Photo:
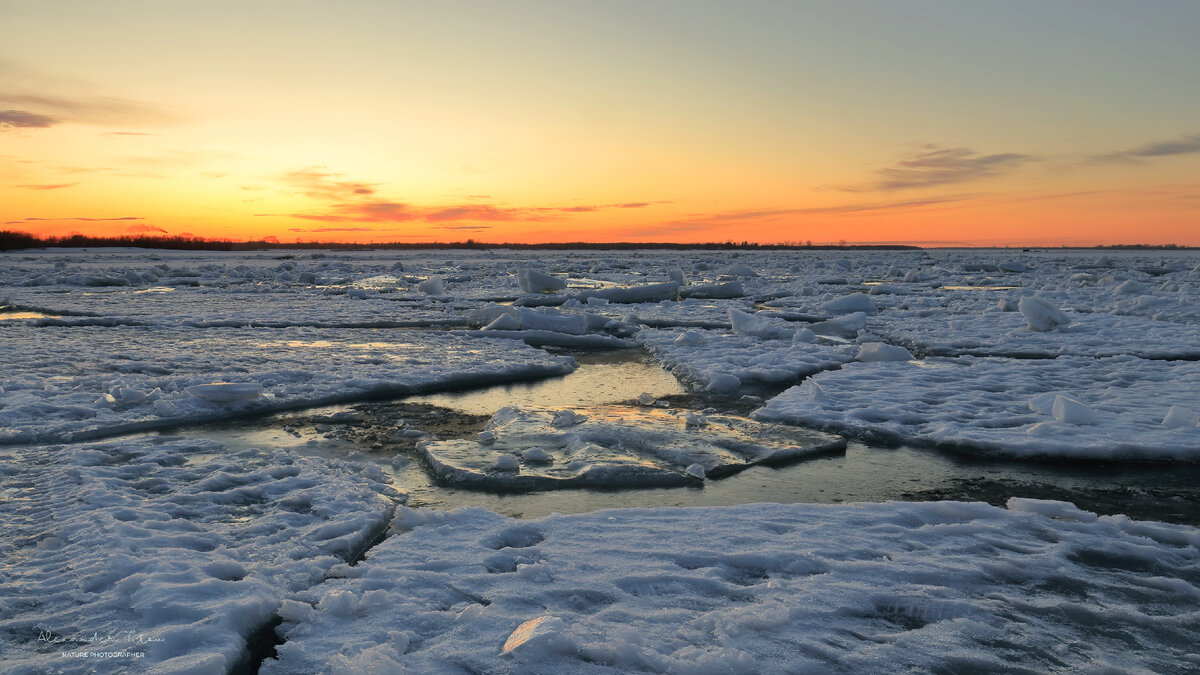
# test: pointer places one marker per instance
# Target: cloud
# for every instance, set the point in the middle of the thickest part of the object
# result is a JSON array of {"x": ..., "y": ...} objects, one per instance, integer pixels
[
  {"x": 934, "y": 165},
  {"x": 463, "y": 227},
  {"x": 22, "y": 119},
  {"x": 84, "y": 220},
  {"x": 352, "y": 201},
  {"x": 398, "y": 212},
  {"x": 1181, "y": 146},
  {"x": 54, "y": 186},
  {"x": 702, "y": 221},
  {"x": 316, "y": 182},
  {"x": 332, "y": 229},
  {"x": 89, "y": 109},
  {"x": 145, "y": 227}
]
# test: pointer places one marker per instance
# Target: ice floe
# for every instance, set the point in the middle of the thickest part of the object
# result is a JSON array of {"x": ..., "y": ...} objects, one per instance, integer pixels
[
  {"x": 614, "y": 446},
  {"x": 1109, "y": 408},
  {"x": 864, "y": 588},
  {"x": 88, "y": 381},
  {"x": 722, "y": 360},
  {"x": 172, "y": 549}
]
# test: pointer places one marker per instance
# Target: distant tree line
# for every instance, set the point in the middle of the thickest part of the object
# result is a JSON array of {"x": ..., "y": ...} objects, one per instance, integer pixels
[{"x": 10, "y": 240}]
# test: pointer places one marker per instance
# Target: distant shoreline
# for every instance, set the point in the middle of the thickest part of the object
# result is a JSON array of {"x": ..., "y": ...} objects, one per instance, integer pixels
[{"x": 13, "y": 241}]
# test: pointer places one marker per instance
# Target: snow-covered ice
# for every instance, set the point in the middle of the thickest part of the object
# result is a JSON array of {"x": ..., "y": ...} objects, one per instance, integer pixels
[
  {"x": 89, "y": 381},
  {"x": 1109, "y": 408},
  {"x": 614, "y": 446},
  {"x": 196, "y": 547},
  {"x": 865, "y": 588},
  {"x": 171, "y": 548},
  {"x": 721, "y": 361}
]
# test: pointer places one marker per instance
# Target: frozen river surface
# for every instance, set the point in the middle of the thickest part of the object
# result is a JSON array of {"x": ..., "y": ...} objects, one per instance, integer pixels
[{"x": 354, "y": 461}]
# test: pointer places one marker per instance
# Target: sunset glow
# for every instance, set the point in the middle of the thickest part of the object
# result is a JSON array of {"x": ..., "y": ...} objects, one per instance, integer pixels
[{"x": 931, "y": 123}]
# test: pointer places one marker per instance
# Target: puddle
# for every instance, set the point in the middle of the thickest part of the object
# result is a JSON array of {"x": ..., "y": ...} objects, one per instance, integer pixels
[
  {"x": 603, "y": 377},
  {"x": 977, "y": 288},
  {"x": 15, "y": 315},
  {"x": 387, "y": 433}
]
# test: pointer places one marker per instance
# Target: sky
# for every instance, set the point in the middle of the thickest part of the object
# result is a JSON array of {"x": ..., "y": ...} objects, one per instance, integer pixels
[{"x": 936, "y": 123}]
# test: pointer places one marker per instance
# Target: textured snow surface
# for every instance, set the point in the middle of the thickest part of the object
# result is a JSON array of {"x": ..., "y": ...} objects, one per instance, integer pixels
[
  {"x": 868, "y": 588},
  {"x": 1009, "y": 334},
  {"x": 172, "y": 548},
  {"x": 94, "y": 380},
  {"x": 607, "y": 446},
  {"x": 1023, "y": 407},
  {"x": 185, "y": 550},
  {"x": 709, "y": 359}
]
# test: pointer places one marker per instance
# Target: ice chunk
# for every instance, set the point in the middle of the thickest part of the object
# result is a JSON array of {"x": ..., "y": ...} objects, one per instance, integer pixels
[
  {"x": 1041, "y": 315},
  {"x": 803, "y": 336},
  {"x": 879, "y": 351},
  {"x": 533, "y": 281},
  {"x": 432, "y": 286},
  {"x": 676, "y": 275},
  {"x": 723, "y": 382},
  {"x": 745, "y": 323},
  {"x": 842, "y": 326},
  {"x": 226, "y": 392},
  {"x": 847, "y": 304},
  {"x": 614, "y": 446},
  {"x": 568, "y": 418},
  {"x": 1179, "y": 416},
  {"x": 504, "y": 322},
  {"x": 541, "y": 636},
  {"x": 1065, "y": 511},
  {"x": 632, "y": 294},
  {"x": 740, "y": 270},
  {"x": 689, "y": 338},
  {"x": 1131, "y": 287},
  {"x": 728, "y": 289},
  {"x": 1070, "y": 411}
]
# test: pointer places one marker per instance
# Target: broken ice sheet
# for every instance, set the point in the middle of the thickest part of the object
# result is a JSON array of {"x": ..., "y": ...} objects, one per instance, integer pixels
[{"x": 615, "y": 446}]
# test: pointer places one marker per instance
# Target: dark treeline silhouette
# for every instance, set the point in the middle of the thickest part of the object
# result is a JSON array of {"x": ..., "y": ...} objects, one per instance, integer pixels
[{"x": 20, "y": 240}]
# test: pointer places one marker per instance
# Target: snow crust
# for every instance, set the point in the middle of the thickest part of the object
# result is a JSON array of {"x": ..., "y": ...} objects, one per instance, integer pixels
[
  {"x": 865, "y": 588},
  {"x": 1070, "y": 406},
  {"x": 194, "y": 547},
  {"x": 174, "y": 549},
  {"x": 614, "y": 446},
  {"x": 90, "y": 381},
  {"x": 723, "y": 360}
]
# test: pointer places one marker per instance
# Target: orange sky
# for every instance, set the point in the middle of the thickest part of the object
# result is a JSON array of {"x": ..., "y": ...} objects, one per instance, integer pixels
[{"x": 937, "y": 123}]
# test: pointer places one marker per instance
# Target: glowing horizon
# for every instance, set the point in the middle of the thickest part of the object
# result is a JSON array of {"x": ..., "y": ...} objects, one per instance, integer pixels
[{"x": 928, "y": 123}]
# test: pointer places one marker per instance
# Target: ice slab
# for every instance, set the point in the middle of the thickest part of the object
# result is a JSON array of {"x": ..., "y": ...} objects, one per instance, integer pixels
[
  {"x": 171, "y": 548},
  {"x": 82, "y": 382},
  {"x": 614, "y": 446},
  {"x": 714, "y": 359},
  {"x": 862, "y": 588},
  {"x": 1108, "y": 408},
  {"x": 1010, "y": 334}
]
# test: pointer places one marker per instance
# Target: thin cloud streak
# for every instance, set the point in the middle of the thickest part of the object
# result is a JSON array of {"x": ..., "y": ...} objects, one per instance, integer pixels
[
  {"x": 23, "y": 119},
  {"x": 79, "y": 219},
  {"x": 942, "y": 166},
  {"x": 54, "y": 186},
  {"x": 398, "y": 212},
  {"x": 90, "y": 110},
  {"x": 1186, "y": 145}
]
